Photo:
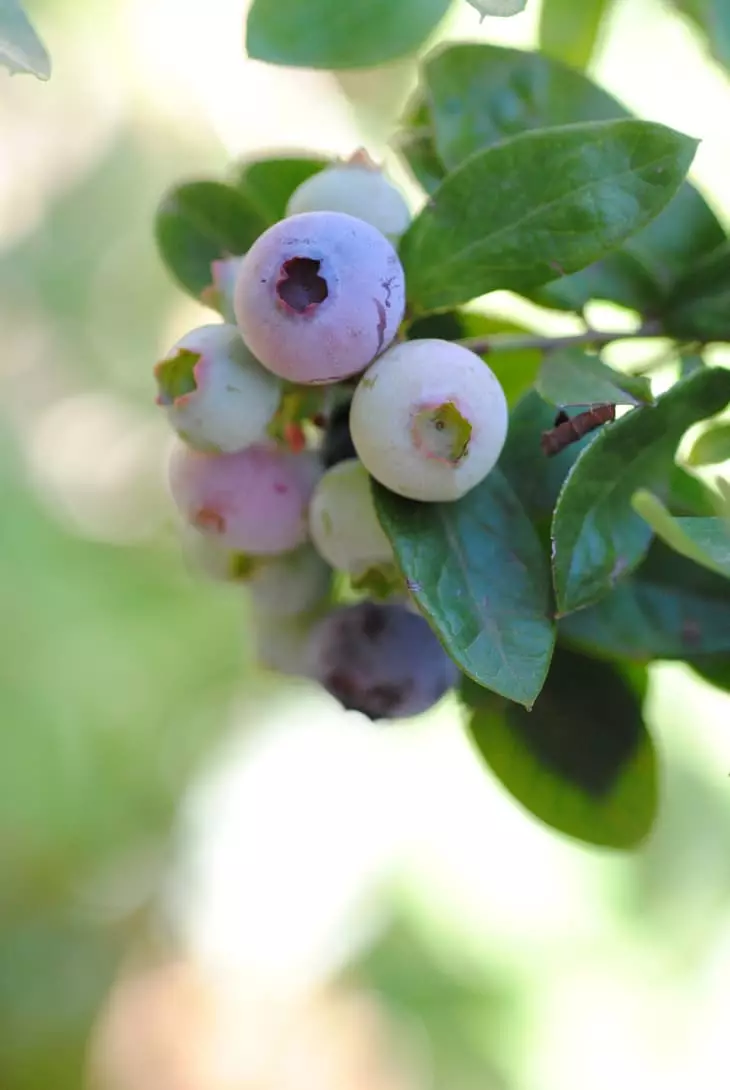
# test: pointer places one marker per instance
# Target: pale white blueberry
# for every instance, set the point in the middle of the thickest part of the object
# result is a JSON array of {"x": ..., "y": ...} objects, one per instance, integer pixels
[
  {"x": 343, "y": 524},
  {"x": 319, "y": 296},
  {"x": 253, "y": 502},
  {"x": 216, "y": 395},
  {"x": 379, "y": 659},
  {"x": 429, "y": 420},
  {"x": 359, "y": 188}
]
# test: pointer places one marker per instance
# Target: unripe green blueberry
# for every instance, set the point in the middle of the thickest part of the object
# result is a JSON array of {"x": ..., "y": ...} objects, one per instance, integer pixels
[
  {"x": 380, "y": 659},
  {"x": 319, "y": 296},
  {"x": 342, "y": 521},
  {"x": 292, "y": 584},
  {"x": 429, "y": 420},
  {"x": 358, "y": 188},
  {"x": 217, "y": 396},
  {"x": 253, "y": 502}
]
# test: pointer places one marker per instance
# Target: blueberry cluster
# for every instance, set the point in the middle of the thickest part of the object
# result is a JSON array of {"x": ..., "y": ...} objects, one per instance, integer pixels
[{"x": 286, "y": 410}]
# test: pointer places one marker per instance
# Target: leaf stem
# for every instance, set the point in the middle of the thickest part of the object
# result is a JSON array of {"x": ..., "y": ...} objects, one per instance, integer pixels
[{"x": 508, "y": 342}]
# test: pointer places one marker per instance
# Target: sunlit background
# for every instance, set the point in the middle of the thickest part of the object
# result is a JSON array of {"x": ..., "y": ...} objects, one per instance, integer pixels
[{"x": 286, "y": 897}]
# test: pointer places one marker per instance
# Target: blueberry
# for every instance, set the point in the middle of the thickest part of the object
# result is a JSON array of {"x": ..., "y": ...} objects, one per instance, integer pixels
[
  {"x": 217, "y": 396},
  {"x": 343, "y": 524},
  {"x": 359, "y": 188},
  {"x": 254, "y": 502},
  {"x": 429, "y": 420},
  {"x": 380, "y": 659},
  {"x": 318, "y": 296}
]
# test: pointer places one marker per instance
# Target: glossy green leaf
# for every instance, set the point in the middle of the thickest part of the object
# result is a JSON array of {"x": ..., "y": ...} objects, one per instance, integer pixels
[
  {"x": 670, "y": 608},
  {"x": 269, "y": 183},
  {"x": 481, "y": 94},
  {"x": 581, "y": 760},
  {"x": 476, "y": 570},
  {"x": 704, "y": 540},
  {"x": 200, "y": 222},
  {"x": 573, "y": 377},
  {"x": 333, "y": 34},
  {"x": 712, "y": 447},
  {"x": 712, "y": 18},
  {"x": 597, "y": 536},
  {"x": 574, "y": 194},
  {"x": 537, "y": 480},
  {"x": 21, "y": 50},
  {"x": 516, "y": 371},
  {"x": 569, "y": 31}
]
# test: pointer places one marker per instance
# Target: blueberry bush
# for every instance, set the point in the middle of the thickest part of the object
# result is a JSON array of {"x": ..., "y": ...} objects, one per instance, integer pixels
[
  {"x": 487, "y": 507},
  {"x": 458, "y": 425}
]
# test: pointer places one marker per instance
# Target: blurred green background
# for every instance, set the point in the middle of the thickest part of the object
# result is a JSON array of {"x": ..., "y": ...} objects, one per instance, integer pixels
[{"x": 157, "y": 793}]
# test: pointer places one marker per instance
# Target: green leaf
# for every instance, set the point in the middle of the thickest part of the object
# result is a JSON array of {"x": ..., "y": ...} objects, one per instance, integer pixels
[
  {"x": 21, "y": 50},
  {"x": 669, "y": 609},
  {"x": 581, "y": 760},
  {"x": 618, "y": 277},
  {"x": 689, "y": 495},
  {"x": 597, "y": 536},
  {"x": 572, "y": 377},
  {"x": 712, "y": 18},
  {"x": 537, "y": 480},
  {"x": 712, "y": 447},
  {"x": 201, "y": 222},
  {"x": 704, "y": 540},
  {"x": 333, "y": 34},
  {"x": 699, "y": 306},
  {"x": 569, "y": 31},
  {"x": 574, "y": 194},
  {"x": 481, "y": 94},
  {"x": 516, "y": 371},
  {"x": 269, "y": 183},
  {"x": 714, "y": 669},
  {"x": 416, "y": 145},
  {"x": 477, "y": 572}
]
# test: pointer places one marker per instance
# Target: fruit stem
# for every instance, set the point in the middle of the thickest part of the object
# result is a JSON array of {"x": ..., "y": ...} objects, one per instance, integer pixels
[{"x": 508, "y": 342}]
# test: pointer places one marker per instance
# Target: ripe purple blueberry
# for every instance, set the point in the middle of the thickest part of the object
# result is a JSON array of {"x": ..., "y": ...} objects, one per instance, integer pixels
[
  {"x": 319, "y": 296},
  {"x": 359, "y": 188},
  {"x": 380, "y": 659},
  {"x": 429, "y": 420},
  {"x": 217, "y": 396},
  {"x": 253, "y": 502}
]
